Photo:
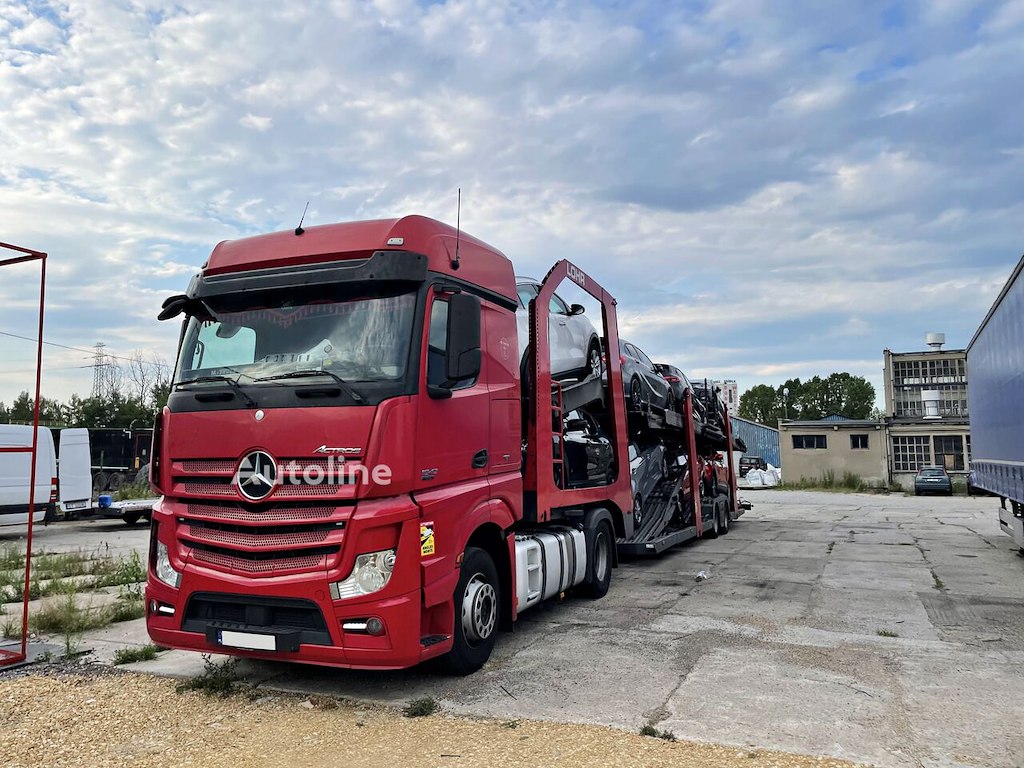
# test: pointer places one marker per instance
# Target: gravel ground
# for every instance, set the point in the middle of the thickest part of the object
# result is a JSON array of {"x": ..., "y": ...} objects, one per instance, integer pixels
[{"x": 58, "y": 716}]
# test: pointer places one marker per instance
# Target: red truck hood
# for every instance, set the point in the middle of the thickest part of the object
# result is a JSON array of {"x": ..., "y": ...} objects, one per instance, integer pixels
[{"x": 315, "y": 445}]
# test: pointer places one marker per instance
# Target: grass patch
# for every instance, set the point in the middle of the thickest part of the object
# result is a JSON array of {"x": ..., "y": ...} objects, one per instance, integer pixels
[
  {"x": 886, "y": 633},
  {"x": 421, "y": 707},
  {"x": 133, "y": 491},
  {"x": 217, "y": 679},
  {"x": 938, "y": 583},
  {"x": 132, "y": 655},
  {"x": 65, "y": 616},
  {"x": 510, "y": 724},
  {"x": 654, "y": 733},
  {"x": 847, "y": 482}
]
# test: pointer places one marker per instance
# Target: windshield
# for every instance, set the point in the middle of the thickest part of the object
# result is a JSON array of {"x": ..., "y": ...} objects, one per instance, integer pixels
[
  {"x": 358, "y": 340},
  {"x": 933, "y": 472}
]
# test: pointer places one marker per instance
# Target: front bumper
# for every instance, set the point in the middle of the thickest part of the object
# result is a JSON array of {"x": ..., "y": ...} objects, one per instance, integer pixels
[{"x": 398, "y": 647}]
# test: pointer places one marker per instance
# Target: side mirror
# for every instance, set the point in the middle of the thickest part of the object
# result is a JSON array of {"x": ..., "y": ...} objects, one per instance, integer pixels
[
  {"x": 463, "y": 354},
  {"x": 576, "y": 309}
]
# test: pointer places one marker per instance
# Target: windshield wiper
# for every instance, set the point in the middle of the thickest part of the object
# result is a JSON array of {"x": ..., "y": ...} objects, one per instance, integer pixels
[
  {"x": 233, "y": 383},
  {"x": 345, "y": 386}
]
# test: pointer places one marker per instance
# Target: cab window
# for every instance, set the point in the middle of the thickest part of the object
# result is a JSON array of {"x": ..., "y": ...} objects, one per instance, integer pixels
[
  {"x": 437, "y": 348},
  {"x": 526, "y": 292}
]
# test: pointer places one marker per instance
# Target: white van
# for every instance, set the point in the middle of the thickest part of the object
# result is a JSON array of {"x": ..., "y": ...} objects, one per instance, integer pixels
[
  {"x": 74, "y": 470},
  {"x": 15, "y": 474}
]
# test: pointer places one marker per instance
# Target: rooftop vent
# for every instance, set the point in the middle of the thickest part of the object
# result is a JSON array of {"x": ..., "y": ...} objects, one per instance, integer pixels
[{"x": 935, "y": 340}]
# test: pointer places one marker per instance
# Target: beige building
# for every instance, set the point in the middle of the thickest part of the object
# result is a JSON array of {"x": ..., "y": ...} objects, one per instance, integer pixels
[
  {"x": 813, "y": 449},
  {"x": 926, "y": 411}
]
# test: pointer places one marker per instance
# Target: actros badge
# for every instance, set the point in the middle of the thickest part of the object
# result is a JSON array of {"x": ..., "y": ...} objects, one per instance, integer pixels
[{"x": 257, "y": 475}]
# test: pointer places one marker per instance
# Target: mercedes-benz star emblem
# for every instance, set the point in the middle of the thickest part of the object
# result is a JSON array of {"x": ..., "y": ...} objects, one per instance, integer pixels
[{"x": 257, "y": 475}]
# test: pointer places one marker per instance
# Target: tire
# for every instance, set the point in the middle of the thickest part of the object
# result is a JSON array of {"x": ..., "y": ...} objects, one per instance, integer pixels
[
  {"x": 636, "y": 398},
  {"x": 131, "y": 518},
  {"x": 99, "y": 481},
  {"x": 712, "y": 532},
  {"x": 670, "y": 401},
  {"x": 477, "y": 606},
  {"x": 917, "y": 492},
  {"x": 594, "y": 365},
  {"x": 638, "y": 512},
  {"x": 599, "y": 562},
  {"x": 726, "y": 524},
  {"x": 117, "y": 481}
]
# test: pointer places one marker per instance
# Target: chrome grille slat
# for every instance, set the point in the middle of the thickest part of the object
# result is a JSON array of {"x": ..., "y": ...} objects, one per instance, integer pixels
[
  {"x": 274, "y": 514},
  {"x": 271, "y": 565},
  {"x": 257, "y": 539}
]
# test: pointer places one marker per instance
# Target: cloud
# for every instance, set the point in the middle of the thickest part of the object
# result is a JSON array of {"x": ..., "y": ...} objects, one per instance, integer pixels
[{"x": 775, "y": 185}]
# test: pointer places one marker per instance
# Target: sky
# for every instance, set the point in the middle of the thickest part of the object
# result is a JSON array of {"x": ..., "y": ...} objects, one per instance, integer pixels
[{"x": 769, "y": 189}]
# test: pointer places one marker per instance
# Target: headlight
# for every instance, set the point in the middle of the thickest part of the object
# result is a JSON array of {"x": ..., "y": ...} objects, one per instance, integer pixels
[
  {"x": 163, "y": 568},
  {"x": 371, "y": 574}
]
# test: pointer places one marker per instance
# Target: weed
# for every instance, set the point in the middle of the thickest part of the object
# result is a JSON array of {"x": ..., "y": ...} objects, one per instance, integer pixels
[
  {"x": 217, "y": 678},
  {"x": 421, "y": 707},
  {"x": 886, "y": 633},
  {"x": 11, "y": 558},
  {"x": 11, "y": 628},
  {"x": 127, "y": 609},
  {"x": 132, "y": 655},
  {"x": 831, "y": 546},
  {"x": 937, "y": 582},
  {"x": 45, "y": 656},
  {"x": 650, "y": 730},
  {"x": 63, "y": 615},
  {"x": 510, "y": 724}
]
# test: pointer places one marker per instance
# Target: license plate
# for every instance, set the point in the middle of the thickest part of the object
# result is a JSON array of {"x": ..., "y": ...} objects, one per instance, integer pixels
[
  {"x": 248, "y": 640},
  {"x": 75, "y": 504}
]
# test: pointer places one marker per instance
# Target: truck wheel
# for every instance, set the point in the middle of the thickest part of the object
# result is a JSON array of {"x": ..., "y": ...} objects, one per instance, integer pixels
[
  {"x": 131, "y": 518},
  {"x": 723, "y": 529},
  {"x": 712, "y": 531},
  {"x": 638, "y": 511},
  {"x": 99, "y": 481},
  {"x": 476, "y": 613},
  {"x": 599, "y": 562},
  {"x": 117, "y": 481}
]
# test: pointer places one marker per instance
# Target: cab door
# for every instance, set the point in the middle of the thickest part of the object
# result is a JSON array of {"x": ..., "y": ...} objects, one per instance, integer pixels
[{"x": 454, "y": 433}]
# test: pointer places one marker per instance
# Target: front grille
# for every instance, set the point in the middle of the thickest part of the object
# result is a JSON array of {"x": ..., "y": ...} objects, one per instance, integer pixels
[
  {"x": 292, "y": 530},
  {"x": 266, "y": 614}
]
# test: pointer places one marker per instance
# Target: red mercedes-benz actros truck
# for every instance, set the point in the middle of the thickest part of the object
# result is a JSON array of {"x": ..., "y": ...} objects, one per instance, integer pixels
[{"x": 353, "y": 474}]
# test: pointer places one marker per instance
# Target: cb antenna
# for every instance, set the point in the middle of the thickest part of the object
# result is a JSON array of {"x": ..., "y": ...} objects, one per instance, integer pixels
[
  {"x": 299, "y": 230},
  {"x": 458, "y": 228}
]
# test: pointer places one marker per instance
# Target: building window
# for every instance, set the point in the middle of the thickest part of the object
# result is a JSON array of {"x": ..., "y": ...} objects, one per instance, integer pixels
[
  {"x": 858, "y": 442},
  {"x": 949, "y": 452},
  {"x": 909, "y": 454},
  {"x": 802, "y": 442}
]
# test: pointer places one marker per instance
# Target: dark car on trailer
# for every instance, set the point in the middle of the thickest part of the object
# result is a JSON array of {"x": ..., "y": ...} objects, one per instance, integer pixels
[{"x": 680, "y": 385}]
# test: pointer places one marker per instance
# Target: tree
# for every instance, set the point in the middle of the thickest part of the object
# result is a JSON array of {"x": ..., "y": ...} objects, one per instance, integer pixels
[
  {"x": 842, "y": 394},
  {"x": 760, "y": 403}
]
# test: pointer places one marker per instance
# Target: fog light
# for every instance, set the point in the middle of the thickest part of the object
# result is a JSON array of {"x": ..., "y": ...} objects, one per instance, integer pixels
[
  {"x": 152, "y": 606},
  {"x": 375, "y": 627}
]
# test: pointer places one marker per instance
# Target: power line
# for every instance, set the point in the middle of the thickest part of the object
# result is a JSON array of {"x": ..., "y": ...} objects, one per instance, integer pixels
[{"x": 90, "y": 352}]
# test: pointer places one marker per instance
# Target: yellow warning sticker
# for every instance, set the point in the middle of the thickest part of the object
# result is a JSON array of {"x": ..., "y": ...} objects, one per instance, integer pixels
[{"x": 426, "y": 539}]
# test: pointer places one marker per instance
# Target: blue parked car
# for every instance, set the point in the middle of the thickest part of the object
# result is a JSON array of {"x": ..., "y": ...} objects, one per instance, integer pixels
[{"x": 932, "y": 480}]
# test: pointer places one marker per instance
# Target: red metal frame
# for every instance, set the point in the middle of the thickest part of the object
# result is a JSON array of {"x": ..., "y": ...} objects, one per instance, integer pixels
[
  {"x": 733, "y": 488},
  {"x": 7, "y": 656},
  {"x": 691, "y": 458},
  {"x": 539, "y": 476}
]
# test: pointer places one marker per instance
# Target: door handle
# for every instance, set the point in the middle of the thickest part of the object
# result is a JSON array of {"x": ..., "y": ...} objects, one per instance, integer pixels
[{"x": 480, "y": 459}]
